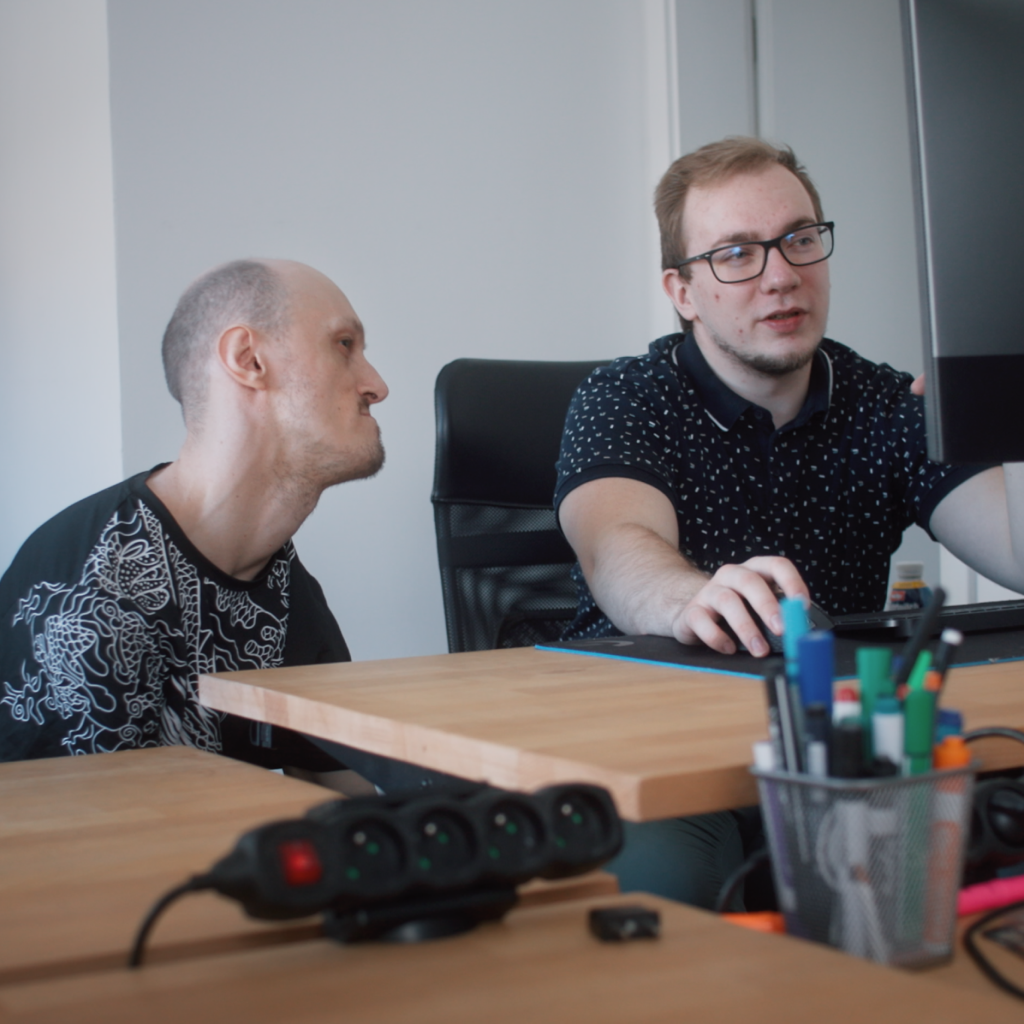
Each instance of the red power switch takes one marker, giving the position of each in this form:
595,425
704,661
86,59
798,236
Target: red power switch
300,863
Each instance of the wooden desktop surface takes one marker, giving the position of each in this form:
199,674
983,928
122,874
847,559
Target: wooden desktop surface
539,964
665,741
88,844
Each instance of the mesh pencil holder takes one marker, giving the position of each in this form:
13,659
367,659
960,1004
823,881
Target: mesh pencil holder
871,866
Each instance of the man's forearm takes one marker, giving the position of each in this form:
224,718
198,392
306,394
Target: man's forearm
982,523
1014,476
641,582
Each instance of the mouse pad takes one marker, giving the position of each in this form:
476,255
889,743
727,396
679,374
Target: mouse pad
977,649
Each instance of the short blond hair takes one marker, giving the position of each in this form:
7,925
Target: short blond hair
710,165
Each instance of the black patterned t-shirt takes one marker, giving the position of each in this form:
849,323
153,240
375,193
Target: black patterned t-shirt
108,615
832,491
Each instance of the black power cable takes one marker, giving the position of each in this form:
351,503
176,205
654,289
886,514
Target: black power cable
195,884
735,880
981,960
970,943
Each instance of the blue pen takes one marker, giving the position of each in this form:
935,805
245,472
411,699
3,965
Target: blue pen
794,626
816,655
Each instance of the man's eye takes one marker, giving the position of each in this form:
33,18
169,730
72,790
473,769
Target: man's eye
802,240
735,255
347,342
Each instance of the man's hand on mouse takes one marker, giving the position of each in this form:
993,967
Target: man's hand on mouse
756,581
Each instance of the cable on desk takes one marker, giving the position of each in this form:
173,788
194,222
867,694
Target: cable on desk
735,880
981,960
994,731
195,884
970,944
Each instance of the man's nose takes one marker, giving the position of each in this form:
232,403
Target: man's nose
778,271
373,387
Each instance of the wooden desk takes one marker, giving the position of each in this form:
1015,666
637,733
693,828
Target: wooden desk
88,844
664,741
539,964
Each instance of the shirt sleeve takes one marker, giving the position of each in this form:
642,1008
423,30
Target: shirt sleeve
617,426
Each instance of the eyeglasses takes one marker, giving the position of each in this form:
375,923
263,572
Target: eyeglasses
743,261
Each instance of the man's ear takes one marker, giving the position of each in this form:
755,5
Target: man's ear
678,288
240,351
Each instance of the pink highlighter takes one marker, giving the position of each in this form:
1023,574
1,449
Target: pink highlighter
975,899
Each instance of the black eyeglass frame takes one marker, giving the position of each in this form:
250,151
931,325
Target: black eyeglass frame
772,243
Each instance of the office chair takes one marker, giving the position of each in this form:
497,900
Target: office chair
504,563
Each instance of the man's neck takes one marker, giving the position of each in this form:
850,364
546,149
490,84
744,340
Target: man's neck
782,395
237,510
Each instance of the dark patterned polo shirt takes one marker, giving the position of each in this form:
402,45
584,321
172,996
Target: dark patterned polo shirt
832,491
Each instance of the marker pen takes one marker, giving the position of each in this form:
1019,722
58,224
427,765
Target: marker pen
918,732
948,722
974,899
846,705
950,640
950,816
816,655
920,670
887,730
818,729
774,715
764,756
874,667
794,626
789,729
846,760
922,634
952,752
817,759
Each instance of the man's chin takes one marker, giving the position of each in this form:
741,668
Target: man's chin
768,364
368,464
776,366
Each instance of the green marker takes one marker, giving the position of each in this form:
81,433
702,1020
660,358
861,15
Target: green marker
918,731
874,667
921,666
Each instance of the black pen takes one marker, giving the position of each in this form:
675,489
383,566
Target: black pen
774,716
920,637
792,758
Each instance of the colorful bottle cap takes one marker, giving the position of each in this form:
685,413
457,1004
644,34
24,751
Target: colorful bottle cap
952,752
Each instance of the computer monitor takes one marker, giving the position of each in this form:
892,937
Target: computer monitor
965,77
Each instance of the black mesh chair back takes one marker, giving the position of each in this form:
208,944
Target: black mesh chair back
504,564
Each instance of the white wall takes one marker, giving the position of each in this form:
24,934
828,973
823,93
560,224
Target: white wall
472,174
476,175
59,390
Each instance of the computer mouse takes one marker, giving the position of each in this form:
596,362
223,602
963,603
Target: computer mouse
774,642
817,618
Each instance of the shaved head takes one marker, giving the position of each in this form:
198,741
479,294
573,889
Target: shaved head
250,293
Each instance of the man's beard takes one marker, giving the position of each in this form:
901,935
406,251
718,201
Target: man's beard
317,467
769,366
359,464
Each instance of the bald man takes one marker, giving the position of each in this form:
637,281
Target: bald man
110,611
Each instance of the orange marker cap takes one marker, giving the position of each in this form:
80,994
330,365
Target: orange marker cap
759,921
952,752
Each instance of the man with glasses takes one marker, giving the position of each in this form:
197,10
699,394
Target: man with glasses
748,455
